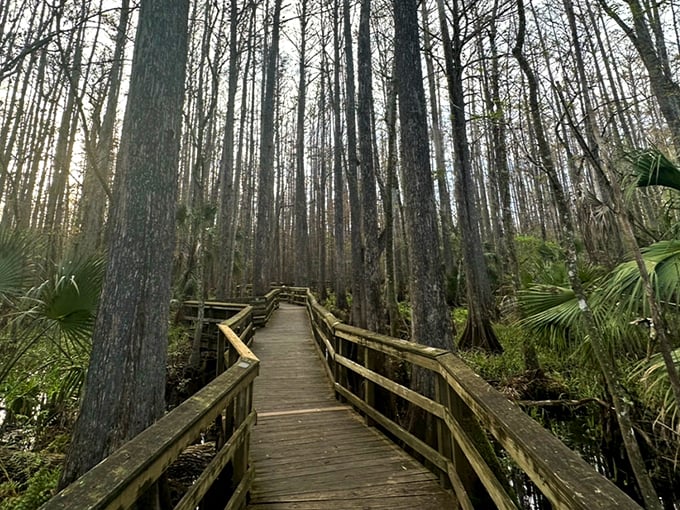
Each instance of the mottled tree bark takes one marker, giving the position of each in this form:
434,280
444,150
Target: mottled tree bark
262,258
371,281
125,389
478,332
431,323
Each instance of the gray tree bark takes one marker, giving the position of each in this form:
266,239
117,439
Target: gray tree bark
358,316
125,386
339,280
228,184
371,281
301,240
646,34
478,332
431,323
262,257
445,212
96,183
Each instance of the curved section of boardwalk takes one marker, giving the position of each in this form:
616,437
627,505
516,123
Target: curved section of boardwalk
311,452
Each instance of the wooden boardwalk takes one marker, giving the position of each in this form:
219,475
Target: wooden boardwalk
310,451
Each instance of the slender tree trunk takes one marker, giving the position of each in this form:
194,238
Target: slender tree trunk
445,213
608,366
226,221
498,128
96,185
391,190
373,307
478,332
322,220
614,198
340,283
58,190
358,316
262,259
652,50
301,241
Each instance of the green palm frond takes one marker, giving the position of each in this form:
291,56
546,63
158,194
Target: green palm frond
653,375
554,313
550,311
14,264
624,285
60,312
68,298
652,168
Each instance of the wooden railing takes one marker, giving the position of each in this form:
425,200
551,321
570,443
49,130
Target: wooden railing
225,404
456,421
293,295
262,307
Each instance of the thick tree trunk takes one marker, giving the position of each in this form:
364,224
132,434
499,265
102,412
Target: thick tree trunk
431,322
126,380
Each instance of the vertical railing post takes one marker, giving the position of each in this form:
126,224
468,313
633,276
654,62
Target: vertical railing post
220,353
340,371
444,437
464,473
369,387
330,334
242,402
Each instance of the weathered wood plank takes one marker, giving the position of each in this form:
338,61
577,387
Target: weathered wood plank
117,481
417,354
308,450
404,435
409,502
195,494
566,480
416,398
375,491
560,473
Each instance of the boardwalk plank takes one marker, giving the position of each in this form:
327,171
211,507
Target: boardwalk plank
310,451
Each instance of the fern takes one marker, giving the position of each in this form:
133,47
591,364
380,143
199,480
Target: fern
39,488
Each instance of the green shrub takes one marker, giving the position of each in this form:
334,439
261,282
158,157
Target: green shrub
39,488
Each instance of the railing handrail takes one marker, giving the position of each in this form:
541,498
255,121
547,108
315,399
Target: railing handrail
121,478
567,480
